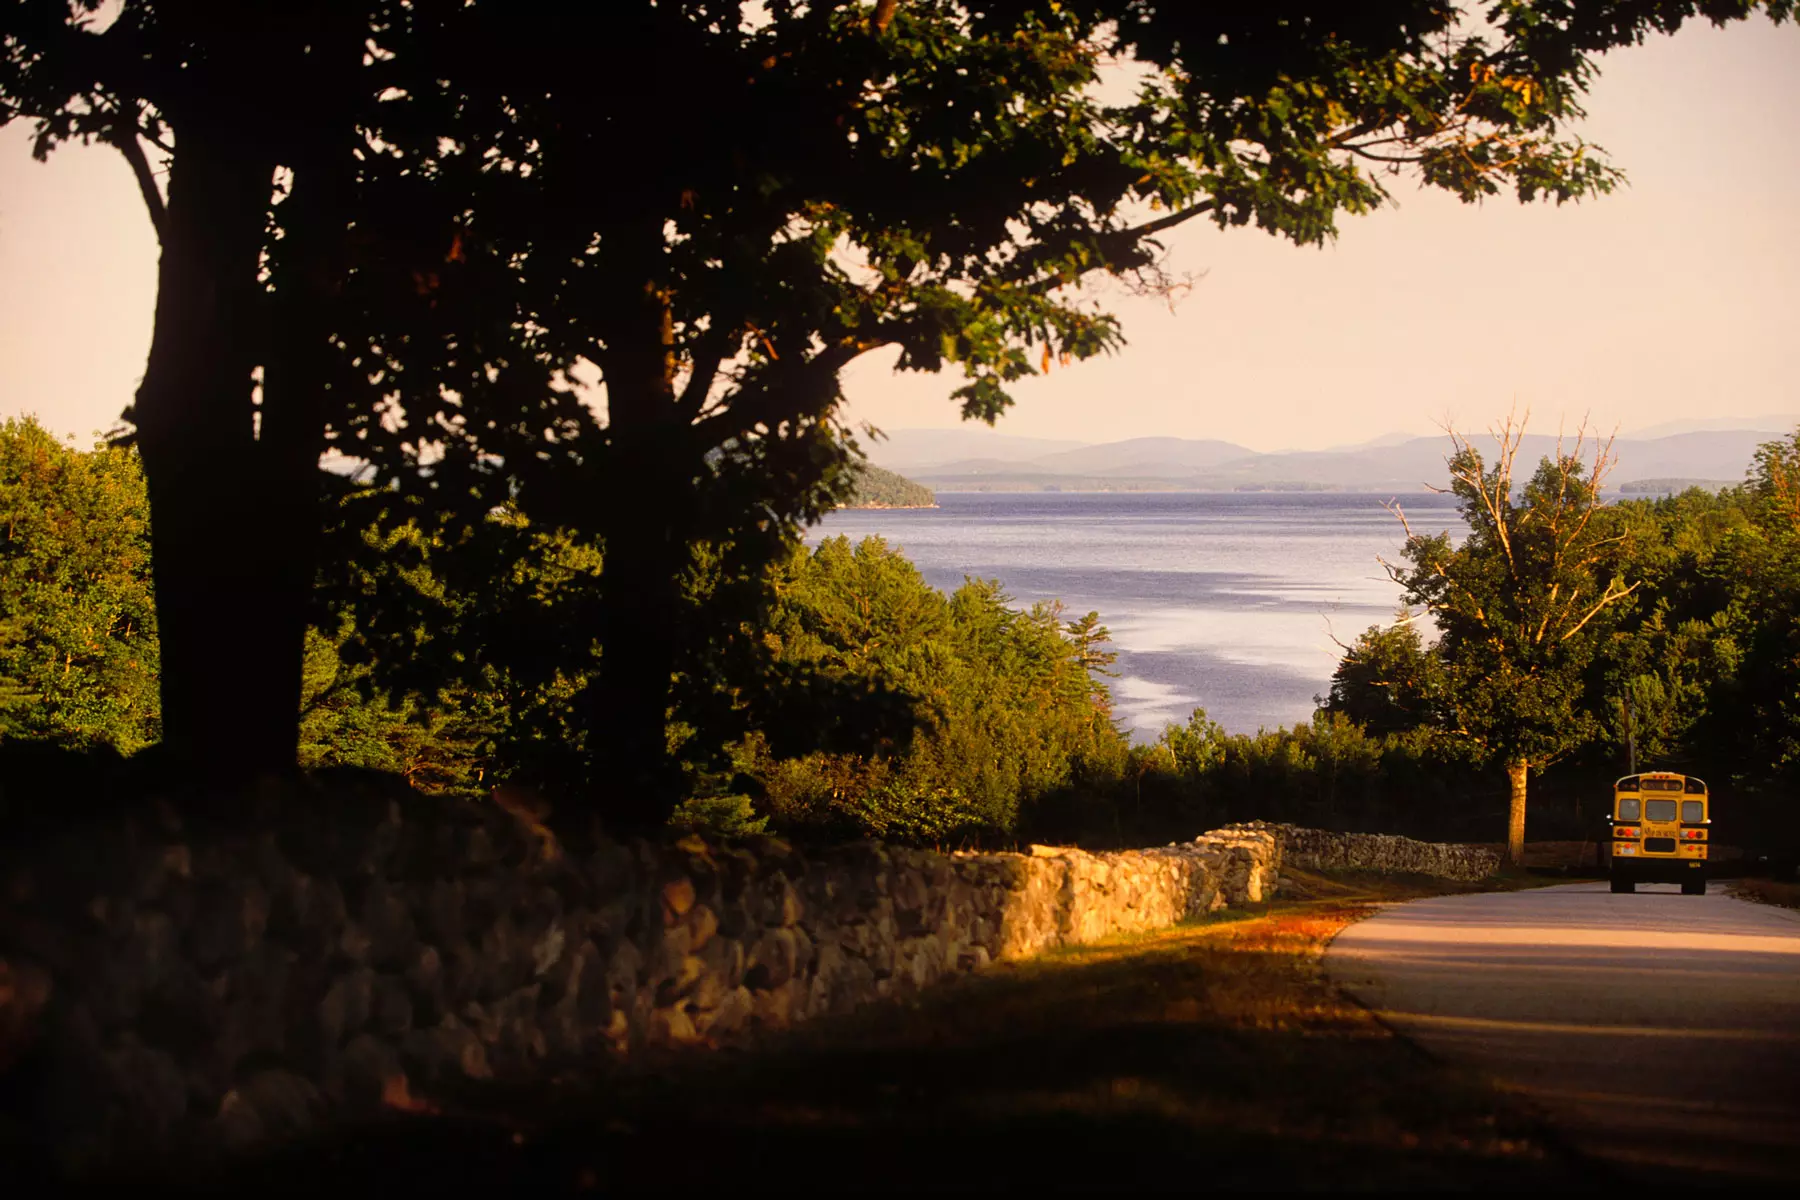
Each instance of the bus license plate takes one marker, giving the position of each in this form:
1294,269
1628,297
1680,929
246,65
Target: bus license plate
1624,849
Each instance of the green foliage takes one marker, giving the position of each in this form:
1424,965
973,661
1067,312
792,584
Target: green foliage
1388,681
1005,707
753,197
855,700
723,815
1698,669
78,636
346,721
479,631
78,650
1328,773
1524,604
1711,659
876,488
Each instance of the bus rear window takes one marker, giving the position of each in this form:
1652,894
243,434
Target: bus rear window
1659,810
1693,811
1628,810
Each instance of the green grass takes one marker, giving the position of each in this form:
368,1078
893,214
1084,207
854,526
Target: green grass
1212,1054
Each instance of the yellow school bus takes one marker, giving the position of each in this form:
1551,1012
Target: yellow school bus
1659,826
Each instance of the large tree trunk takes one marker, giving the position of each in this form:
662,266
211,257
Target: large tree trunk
638,785
223,518
1516,771
648,494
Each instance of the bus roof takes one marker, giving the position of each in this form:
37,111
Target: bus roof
1628,783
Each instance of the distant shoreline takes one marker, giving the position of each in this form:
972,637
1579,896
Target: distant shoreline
1356,489
997,463
1335,489
885,507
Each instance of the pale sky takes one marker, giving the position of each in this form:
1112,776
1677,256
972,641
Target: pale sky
1677,297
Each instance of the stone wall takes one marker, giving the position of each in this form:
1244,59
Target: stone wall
170,986
1315,849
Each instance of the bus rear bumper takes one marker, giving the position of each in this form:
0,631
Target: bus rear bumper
1658,870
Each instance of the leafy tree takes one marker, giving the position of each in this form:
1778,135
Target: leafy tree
1723,644
1005,709
402,230
78,646
1524,606
1387,681
257,113
1766,699
1664,660
1754,723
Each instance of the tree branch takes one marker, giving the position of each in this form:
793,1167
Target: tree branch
126,139
705,368
774,400
1137,232
1595,611
1406,159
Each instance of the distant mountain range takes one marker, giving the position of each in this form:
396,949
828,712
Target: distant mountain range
1777,423
981,460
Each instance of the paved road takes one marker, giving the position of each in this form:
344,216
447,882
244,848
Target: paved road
1655,1030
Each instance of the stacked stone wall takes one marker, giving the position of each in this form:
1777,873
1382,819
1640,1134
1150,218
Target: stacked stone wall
1318,850
170,987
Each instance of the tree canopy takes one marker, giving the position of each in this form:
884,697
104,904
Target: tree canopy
414,233
1388,681
1523,604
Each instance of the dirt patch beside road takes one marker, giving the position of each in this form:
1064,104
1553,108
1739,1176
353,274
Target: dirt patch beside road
1767,891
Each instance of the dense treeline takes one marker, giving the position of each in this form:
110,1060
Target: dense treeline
858,701
877,488
853,699
1686,645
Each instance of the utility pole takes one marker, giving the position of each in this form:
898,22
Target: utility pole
1630,738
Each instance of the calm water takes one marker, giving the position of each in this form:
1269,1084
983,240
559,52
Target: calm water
1227,602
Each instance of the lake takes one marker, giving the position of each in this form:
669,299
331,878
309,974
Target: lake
1223,601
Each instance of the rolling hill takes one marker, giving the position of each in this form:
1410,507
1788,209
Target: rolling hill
1180,464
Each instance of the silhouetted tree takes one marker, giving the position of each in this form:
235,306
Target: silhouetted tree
402,230
260,112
